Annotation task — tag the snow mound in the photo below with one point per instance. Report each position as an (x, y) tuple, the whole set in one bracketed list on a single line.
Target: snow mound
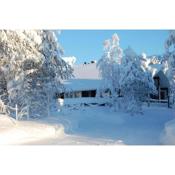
[(6, 121), (77, 140), (168, 136), (47, 131), (21, 132)]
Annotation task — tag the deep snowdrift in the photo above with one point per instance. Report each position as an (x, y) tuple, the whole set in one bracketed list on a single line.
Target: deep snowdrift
[(168, 135), (21, 132)]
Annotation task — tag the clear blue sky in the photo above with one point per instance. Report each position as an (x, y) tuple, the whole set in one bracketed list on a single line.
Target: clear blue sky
[(87, 45)]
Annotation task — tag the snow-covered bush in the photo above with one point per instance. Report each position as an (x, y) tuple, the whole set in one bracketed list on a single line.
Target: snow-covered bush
[(33, 68), (136, 84), (109, 66)]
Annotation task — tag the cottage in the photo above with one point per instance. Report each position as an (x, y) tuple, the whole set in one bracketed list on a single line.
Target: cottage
[(87, 81), (161, 82), (162, 85)]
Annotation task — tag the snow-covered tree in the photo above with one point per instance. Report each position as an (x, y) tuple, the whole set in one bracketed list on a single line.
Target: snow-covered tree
[(50, 74), (170, 58), (16, 47), (3, 88), (33, 68), (109, 66), (136, 83)]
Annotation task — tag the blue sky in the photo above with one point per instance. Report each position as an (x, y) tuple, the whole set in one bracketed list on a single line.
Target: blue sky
[(87, 45)]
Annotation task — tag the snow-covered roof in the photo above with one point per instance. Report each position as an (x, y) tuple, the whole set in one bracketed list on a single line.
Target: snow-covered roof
[(86, 77), (159, 70), (155, 68), (86, 71), (81, 84)]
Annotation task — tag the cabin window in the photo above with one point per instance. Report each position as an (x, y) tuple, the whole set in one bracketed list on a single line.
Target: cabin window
[(76, 94), (59, 95), (85, 93), (91, 93)]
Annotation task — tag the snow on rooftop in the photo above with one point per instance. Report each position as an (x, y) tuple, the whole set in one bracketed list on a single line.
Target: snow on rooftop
[(82, 84), (86, 77), (155, 68), (86, 71)]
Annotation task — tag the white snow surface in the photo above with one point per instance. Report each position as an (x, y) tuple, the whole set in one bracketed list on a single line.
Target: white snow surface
[(81, 84), (86, 71), (86, 125), (86, 77), (21, 132), (103, 122), (168, 136), (48, 131)]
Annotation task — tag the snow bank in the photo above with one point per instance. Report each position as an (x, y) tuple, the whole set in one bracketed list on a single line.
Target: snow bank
[(21, 132), (168, 136), (6, 122), (47, 131), (77, 140)]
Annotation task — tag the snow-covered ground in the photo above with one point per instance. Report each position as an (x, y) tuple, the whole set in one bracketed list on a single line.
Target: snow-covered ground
[(47, 131), (168, 135), (89, 125), (102, 122), (21, 132)]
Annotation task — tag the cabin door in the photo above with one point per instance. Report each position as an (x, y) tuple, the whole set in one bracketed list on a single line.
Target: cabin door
[(163, 94)]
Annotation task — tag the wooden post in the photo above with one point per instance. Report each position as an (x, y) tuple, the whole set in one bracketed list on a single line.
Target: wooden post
[(168, 101), (27, 112), (48, 106), (159, 95), (16, 109), (148, 100)]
